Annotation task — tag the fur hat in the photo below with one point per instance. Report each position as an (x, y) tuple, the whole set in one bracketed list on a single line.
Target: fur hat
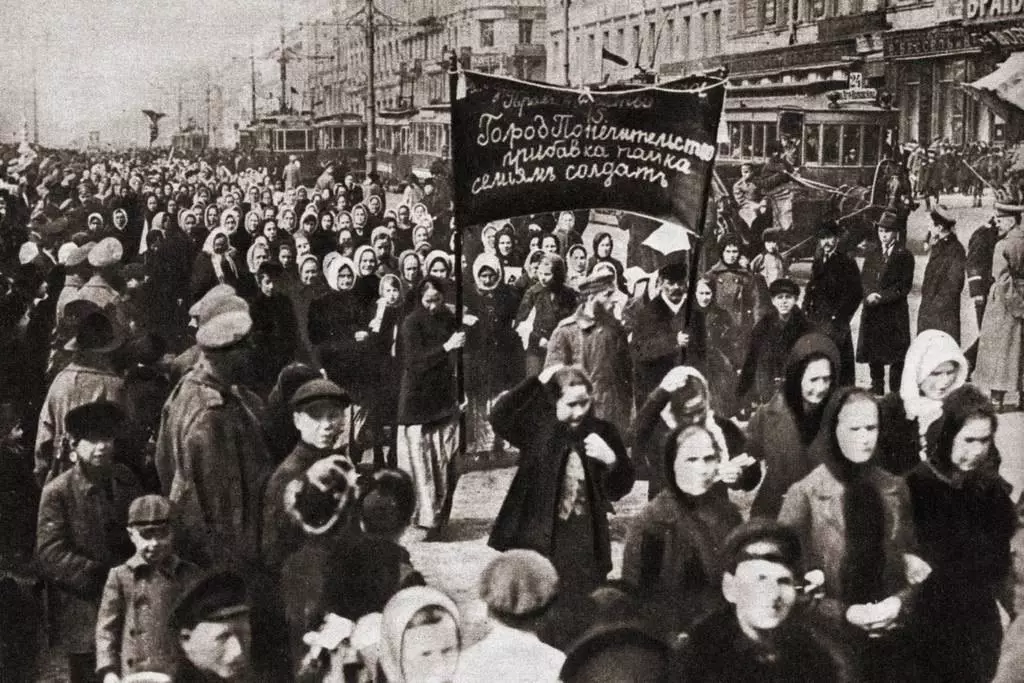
[(519, 584)]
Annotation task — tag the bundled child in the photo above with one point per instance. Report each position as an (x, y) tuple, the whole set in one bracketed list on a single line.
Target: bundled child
[(770, 342), (133, 631), (770, 264)]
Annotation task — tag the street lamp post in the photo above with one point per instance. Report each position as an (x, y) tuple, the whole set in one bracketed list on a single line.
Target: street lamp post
[(371, 96)]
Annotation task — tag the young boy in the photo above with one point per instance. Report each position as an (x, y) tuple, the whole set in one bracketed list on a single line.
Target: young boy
[(770, 264), (132, 629), (319, 413), (770, 342)]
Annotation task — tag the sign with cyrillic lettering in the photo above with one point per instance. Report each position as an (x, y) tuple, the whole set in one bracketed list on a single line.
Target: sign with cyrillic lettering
[(522, 148)]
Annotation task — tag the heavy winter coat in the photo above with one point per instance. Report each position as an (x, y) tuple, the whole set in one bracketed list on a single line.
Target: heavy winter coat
[(552, 305), (213, 462), (82, 535), (600, 347), (770, 343), (885, 326), (673, 556), (940, 290), (427, 392), (525, 417), (1001, 340), (744, 296), (655, 348)]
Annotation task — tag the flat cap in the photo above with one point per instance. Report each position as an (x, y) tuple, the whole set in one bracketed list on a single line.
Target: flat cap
[(762, 539), (107, 252), (783, 285), (219, 291), (519, 583), (97, 419), (216, 596), (316, 390), (80, 255), (224, 330), (610, 653), (597, 282), (151, 510)]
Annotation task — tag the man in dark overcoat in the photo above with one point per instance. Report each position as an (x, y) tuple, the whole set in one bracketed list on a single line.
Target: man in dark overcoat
[(943, 277), (885, 321), (833, 295)]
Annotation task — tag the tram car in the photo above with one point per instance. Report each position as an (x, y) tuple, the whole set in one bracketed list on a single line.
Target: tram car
[(412, 140), (190, 141), (845, 152), (272, 140)]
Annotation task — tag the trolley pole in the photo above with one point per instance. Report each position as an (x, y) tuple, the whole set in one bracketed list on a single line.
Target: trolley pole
[(565, 48), (371, 95)]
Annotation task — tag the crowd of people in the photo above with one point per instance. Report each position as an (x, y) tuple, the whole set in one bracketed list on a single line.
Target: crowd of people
[(230, 401)]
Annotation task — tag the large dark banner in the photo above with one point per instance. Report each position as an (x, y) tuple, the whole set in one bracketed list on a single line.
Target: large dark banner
[(521, 148)]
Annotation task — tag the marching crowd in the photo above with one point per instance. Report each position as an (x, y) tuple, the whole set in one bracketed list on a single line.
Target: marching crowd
[(230, 401)]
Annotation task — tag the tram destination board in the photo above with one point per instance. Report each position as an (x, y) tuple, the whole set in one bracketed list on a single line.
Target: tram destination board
[(521, 148)]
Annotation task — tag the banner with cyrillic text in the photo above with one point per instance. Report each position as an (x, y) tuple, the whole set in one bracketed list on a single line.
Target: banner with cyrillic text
[(523, 148)]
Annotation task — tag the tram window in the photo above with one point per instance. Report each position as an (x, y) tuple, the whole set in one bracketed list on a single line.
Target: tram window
[(294, 139), (757, 140), (872, 136), (771, 133), (812, 143), (851, 145), (735, 143), (830, 144)]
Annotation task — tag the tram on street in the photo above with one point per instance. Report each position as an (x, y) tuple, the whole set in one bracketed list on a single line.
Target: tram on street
[(411, 141), (273, 139), (190, 141)]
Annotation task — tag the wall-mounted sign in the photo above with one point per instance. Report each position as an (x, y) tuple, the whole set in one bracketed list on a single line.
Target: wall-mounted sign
[(992, 9), (851, 95), (936, 41)]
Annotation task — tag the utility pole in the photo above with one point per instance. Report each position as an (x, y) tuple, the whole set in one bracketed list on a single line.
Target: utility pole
[(565, 48), (180, 127), (283, 61), (252, 74), (35, 105), (371, 95)]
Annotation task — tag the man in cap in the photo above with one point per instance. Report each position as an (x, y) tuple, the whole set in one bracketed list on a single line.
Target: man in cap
[(105, 260), (943, 276), (833, 295), (198, 314), (319, 413), (211, 456), (81, 530), (211, 624), (762, 636), (593, 339), (666, 333), (132, 629), (90, 376), (518, 587), (885, 320)]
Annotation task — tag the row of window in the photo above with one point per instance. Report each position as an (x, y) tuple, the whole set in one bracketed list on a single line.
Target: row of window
[(756, 15), (821, 144), (418, 137), (487, 32)]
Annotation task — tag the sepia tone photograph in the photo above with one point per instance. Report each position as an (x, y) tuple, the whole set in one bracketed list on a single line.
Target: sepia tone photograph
[(545, 341)]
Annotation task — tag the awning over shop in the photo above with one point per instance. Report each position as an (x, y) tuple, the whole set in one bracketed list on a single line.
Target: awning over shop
[(1003, 89)]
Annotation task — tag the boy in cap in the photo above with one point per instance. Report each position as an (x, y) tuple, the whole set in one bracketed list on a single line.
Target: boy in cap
[(770, 264), (211, 624), (770, 343), (519, 587), (132, 631), (83, 514), (762, 636), (320, 415)]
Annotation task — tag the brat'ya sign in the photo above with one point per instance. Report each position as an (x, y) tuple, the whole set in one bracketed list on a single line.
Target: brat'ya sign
[(521, 148)]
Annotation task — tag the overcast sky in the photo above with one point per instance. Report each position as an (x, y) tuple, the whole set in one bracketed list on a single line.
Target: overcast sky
[(99, 62)]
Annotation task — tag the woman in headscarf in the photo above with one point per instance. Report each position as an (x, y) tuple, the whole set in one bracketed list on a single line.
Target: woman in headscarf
[(856, 526), (326, 222), (95, 226), (572, 466), (384, 246), (410, 272), (191, 225), (287, 219), (602, 253), (241, 240), (310, 286), (421, 240), (719, 349), (151, 207), (684, 398), (428, 410), (544, 305), (438, 264), (272, 234), (964, 518), (673, 547), (229, 221), (420, 638), (493, 352), (360, 224), (374, 211), (217, 264), (781, 431), (346, 243), (934, 367), (211, 217), (403, 228), (344, 220), (576, 261), (506, 247), (421, 214), (528, 277), (367, 288)]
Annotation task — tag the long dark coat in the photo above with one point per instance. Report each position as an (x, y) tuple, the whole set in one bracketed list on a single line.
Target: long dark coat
[(427, 390), (525, 417), (333, 320), (744, 296), (654, 346), (940, 290), (830, 300), (493, 350), (885, 326), (552, 306), (770, 344), (963, 533)]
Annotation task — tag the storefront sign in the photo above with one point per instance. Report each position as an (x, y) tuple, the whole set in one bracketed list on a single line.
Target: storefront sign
[(788, 57), (992, 9), (835, 28), (851, 95), (939, 41)]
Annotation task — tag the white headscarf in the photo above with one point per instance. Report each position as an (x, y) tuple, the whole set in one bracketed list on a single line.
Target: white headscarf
[(709, 421), (928, 351)]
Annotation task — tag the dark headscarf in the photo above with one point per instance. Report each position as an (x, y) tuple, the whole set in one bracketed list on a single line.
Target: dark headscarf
[(961, 405), (807, 349)]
